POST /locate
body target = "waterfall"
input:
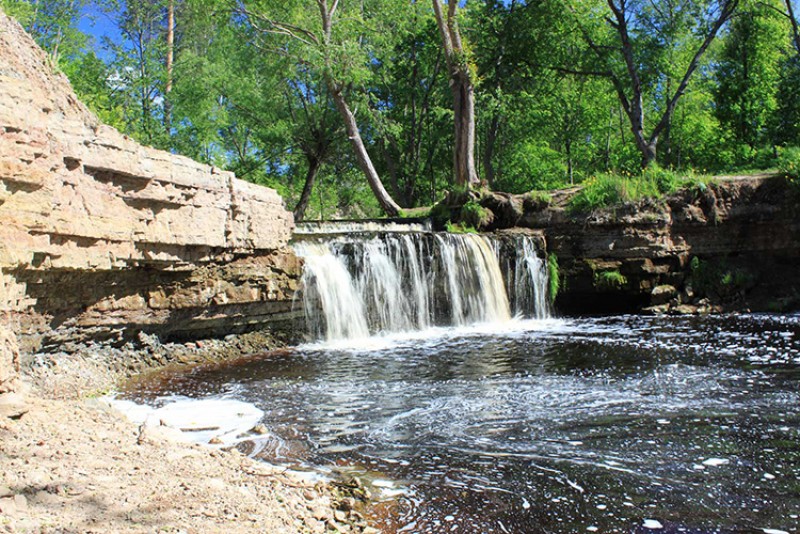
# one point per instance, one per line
(364, 280)
(530, 281)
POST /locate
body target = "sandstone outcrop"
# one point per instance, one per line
(101, 237)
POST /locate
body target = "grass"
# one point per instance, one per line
(539, 198)
(609, 189)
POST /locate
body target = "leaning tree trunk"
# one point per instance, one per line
(386, 202)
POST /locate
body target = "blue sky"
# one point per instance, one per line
(96, 23)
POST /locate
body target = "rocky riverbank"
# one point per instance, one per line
(80, 466)
(72, 463)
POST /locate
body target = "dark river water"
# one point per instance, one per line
(613, 424)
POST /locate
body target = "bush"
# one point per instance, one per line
(474, 215)
(789, 163)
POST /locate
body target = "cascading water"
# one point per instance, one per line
(363, 280)
(530, 281)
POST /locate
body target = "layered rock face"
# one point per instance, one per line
(101, 237)
(732, 245)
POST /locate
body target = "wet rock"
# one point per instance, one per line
(260, 430)
(661, 309)
(662, 294)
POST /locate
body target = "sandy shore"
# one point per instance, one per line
(78, 465)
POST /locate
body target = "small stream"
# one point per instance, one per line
(612, 424)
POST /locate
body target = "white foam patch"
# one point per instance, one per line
(198, 420)
(716, 462)
(652, 524)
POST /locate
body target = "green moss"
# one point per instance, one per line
(609, 279)
(459, 228)
(474, 215)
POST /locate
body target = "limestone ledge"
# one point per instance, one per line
(98, 232)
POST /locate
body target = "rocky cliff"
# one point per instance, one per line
(102, 238)
(733, 244)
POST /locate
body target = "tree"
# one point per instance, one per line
(462, 85)
(620, 58)
(331, 54)
(139, 67)
(748, 74)
(793, 20)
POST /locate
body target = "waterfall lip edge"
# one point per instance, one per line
(386, 340)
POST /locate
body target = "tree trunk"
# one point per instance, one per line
(488, 153)
(464, 153)
(314, 164)
(462, 86)
(386, 202)
(169, 64)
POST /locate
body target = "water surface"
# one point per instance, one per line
(615, 424)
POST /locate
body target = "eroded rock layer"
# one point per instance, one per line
(101, 237)
(733, 244)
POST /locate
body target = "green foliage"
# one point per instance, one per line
(789, 164)
(748, 74)
(609, 279)
(553, 277)
(258, 102)
(473, 215)
(606, 190)
(459, 228)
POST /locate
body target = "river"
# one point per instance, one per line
(596, 424)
